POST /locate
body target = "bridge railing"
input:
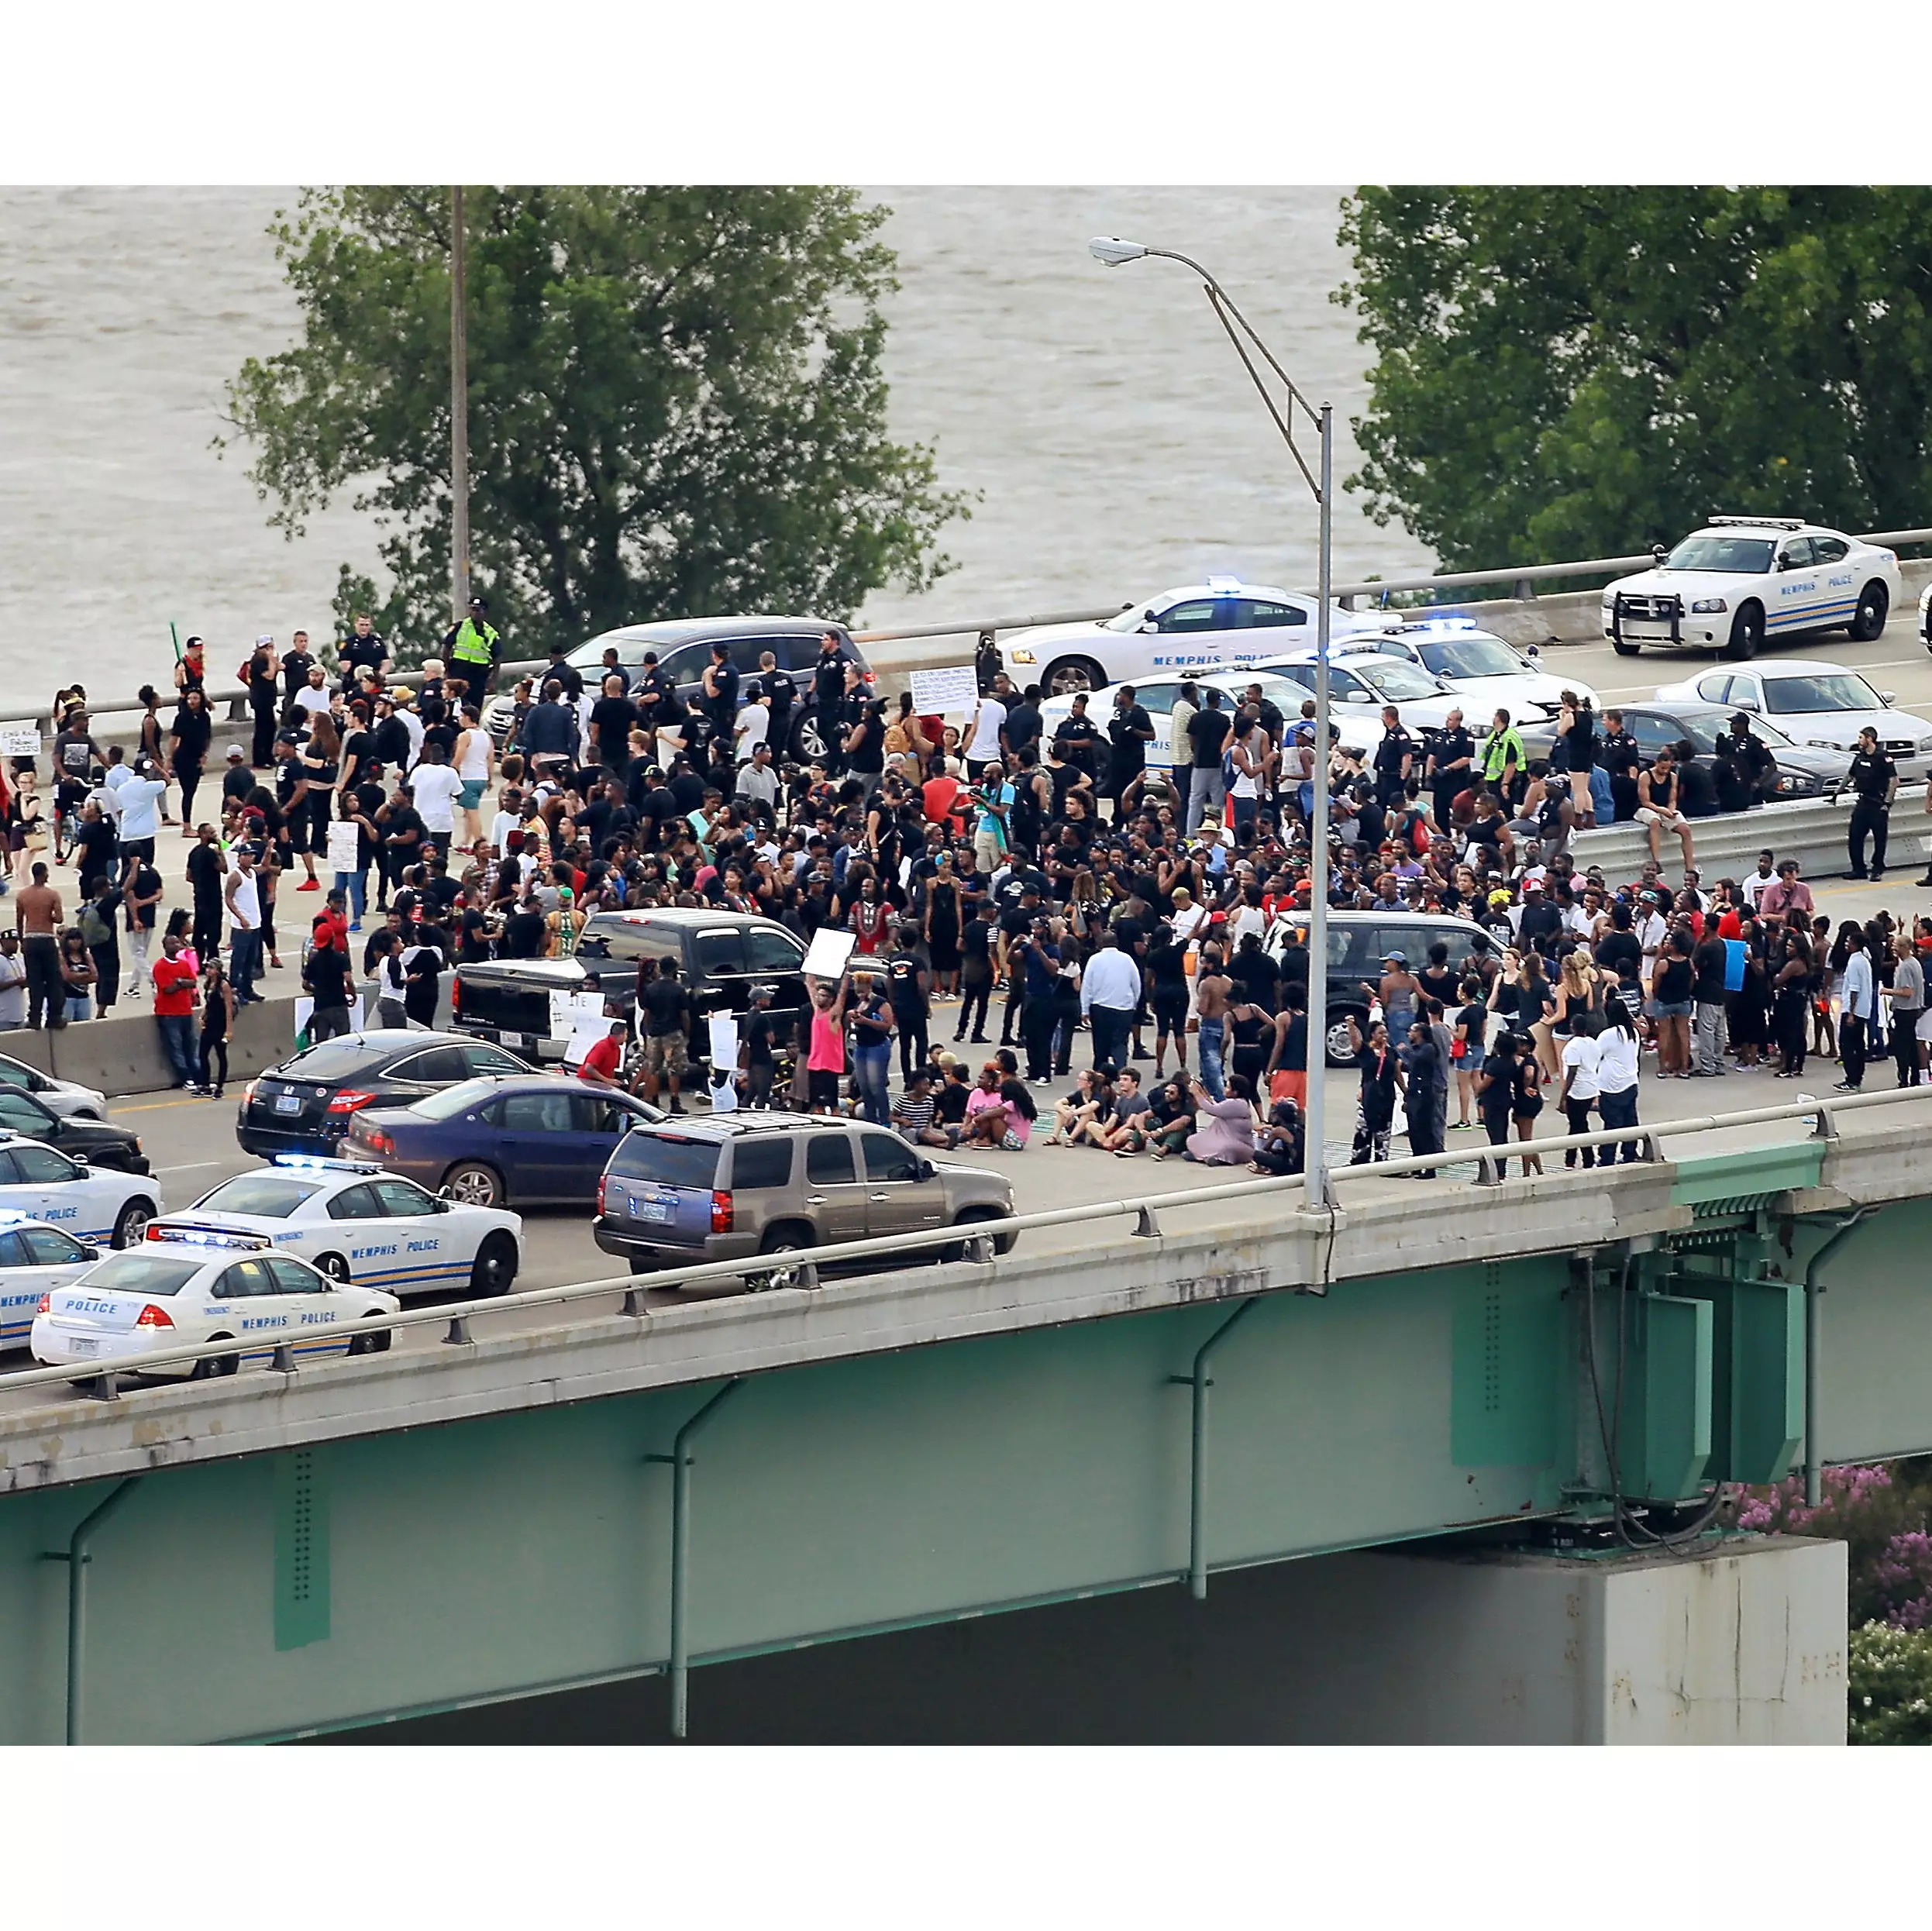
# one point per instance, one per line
(1523, 577)
(975, 1238)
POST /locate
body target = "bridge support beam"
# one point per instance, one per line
(1200, 1381)
(679, 1459)
(77, 1557)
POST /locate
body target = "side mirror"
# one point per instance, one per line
(1888, 696)
(928, 1171)
(79, 1159)
(1149, 628)
(89, 1251)
(443, 1198)
(1533, 654)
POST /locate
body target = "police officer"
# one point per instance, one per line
(1620, 757)
(1750, 758)
(472, 648)
(1451, 752)
(1502, 758)
(782, 688)
(1394, 759)
(1874, 778)
(721, 690)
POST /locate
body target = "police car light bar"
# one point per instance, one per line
(317, 1163)
(192, 1233)
(1756, 522)
(1433, 623)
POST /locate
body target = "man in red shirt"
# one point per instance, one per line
(174, 1009)
(605, 1061)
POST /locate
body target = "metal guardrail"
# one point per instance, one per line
(976, 1237)
(1523, 577)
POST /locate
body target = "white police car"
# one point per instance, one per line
(92, 1203)
(186, 1285)
(1742, 581)
(357, 1222)
(1199, 626)
(1478, 664)
(34, 1258)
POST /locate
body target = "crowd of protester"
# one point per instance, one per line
(1131, 929)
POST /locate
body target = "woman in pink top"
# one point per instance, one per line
(825, 1061)
(1226, 1136)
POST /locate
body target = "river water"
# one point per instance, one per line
(1101, 413)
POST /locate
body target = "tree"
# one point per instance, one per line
(675, 407)
(1569, 372)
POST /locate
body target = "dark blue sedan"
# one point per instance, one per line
(537, 1139)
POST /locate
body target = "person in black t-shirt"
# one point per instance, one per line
(781, 689)
(1077, 737)
(363, 650)
(613, 718)
(720, 692)
(1024, 723)
(525, 929)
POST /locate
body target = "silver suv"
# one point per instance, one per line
(732, 1188)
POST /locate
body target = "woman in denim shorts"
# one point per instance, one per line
(1470, 1031)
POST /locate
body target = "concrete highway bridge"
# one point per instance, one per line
(1367, 1474)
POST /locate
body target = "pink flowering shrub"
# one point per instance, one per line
(1883, 1514)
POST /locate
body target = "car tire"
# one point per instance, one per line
(977, 1216)
(1338, 1052)
(474, 1183)
(335, 1266)
(1747, 632)
(1875, 606)
(130, 1224)
(210, 1366)
(784, 1236)
(373, 1342)
(495, 1267)
(1066, 675)
(1623, 648)
(807, 741)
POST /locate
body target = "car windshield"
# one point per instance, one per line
(668, 1159)
(139, 1273)
(1720, 550)
(272, 1196)
(335, 1059)
(1835, 690)
(453, 1100)
(1398, 682)
(1473, 657)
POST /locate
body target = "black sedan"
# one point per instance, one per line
(304, 1105)
(1803, 770)
(95, 1142)
(545, 1138)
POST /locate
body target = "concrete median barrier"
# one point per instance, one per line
(124, 1054)
(1811, 829)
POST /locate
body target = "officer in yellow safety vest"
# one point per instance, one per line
(476, 646)
(1501, 754)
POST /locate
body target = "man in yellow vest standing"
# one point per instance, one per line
(472, 649)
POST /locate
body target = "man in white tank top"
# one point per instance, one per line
(242, 894)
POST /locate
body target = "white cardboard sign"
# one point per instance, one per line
(949, 692)
(825, 957)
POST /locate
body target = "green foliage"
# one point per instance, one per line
(1570, 372)
(1889, 1684)
(675, 404)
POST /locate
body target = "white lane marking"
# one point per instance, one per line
(190, 1166)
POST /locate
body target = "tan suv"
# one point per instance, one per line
(731, 1188)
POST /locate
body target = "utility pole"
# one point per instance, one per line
(458, 414)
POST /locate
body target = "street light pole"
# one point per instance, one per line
(459, 413)
(1113, 251)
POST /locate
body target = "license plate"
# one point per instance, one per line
(288, 1103)
(650, 1210)
(80, 1347)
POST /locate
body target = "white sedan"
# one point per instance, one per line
(1492, 673)
(35, 1258)
(1817, 704)
(67, 1097)
(1357, 691)
(357, 1222)
(92, 1203)
(1745, 581)
(183, 1286)
(1199, 626)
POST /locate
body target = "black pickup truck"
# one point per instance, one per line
(721, 956)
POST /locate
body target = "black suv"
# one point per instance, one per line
(721, 956)
(683, 649)
(1358, 944)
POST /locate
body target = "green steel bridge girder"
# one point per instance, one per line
(425, 1568)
